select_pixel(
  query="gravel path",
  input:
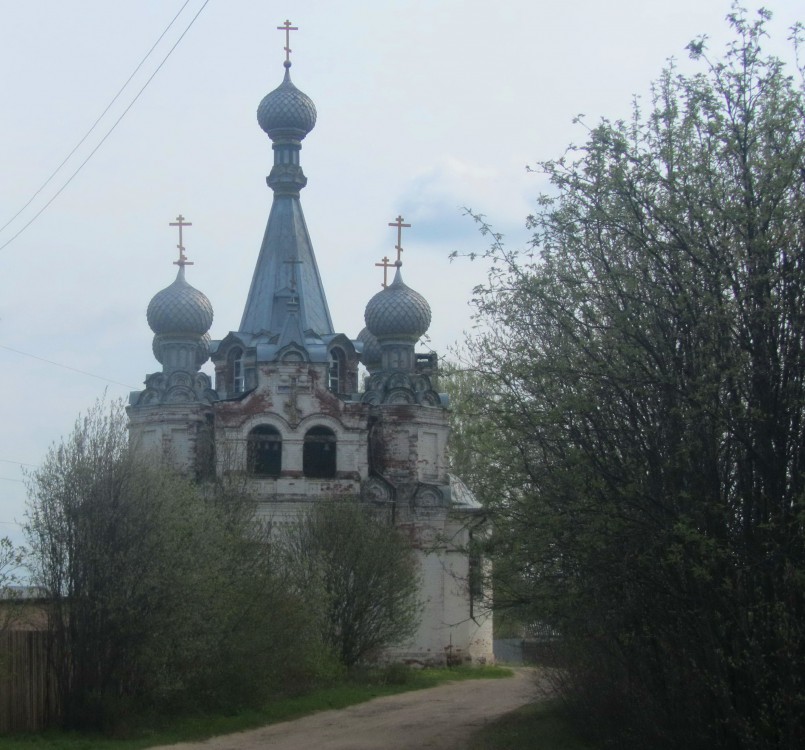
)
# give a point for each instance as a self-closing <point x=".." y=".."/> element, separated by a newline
<point x="443" y="717"/>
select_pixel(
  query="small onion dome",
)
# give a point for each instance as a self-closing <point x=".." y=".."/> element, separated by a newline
<point x="286" y="112"/>
<point x="372" y="354"/>
<point x="397" y="310"/>
<point x="180" y="309"/>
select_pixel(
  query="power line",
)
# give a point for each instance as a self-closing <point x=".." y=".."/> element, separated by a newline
<point x="19" y="463"/>
<point x="9" y="479"/>
<point x="67" y="367"/>
<point x="108" y="133"/>
<point x="100" y="117"/>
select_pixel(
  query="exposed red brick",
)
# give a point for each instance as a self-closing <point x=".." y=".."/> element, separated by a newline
<point x="329" y="403"/>
<point x="235" y="413"/>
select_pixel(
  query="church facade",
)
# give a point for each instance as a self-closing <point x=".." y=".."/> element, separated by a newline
<point x="288" y="408"/>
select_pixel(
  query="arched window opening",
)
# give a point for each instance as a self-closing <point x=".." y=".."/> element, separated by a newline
<point x="337" y="380"/>
<point x="318" y="457"/>
<point x="264" y="451"/>
<point x="237" y="374"/>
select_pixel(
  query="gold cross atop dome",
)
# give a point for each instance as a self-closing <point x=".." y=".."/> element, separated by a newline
<point x="287" y="28"/>
<point x="398" y="222"/>
<point x="181" y="223"/>
<point x="385" y="266"/>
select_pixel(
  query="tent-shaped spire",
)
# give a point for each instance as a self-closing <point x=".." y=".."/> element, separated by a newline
<point x="286" y="261"/>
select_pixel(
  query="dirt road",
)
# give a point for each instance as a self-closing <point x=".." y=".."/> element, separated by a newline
<point x="442" y="717"/>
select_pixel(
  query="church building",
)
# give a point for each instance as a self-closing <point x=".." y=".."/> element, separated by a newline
<point x="292" y="409"/>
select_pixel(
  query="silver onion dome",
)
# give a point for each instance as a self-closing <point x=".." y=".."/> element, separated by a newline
<point x="286" y="112"/>
<point x="180" y="309"/>
<point x="397" y="311"/>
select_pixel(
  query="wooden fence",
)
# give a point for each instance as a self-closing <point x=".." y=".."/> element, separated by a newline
<point x="28" y="696"/>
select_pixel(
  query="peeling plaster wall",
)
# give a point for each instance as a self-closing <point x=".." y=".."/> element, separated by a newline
<point x="171" y="431"/>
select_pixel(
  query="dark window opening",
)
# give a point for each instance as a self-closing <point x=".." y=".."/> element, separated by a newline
<point x="264" y="451"/>
<point x="318" y="458"/>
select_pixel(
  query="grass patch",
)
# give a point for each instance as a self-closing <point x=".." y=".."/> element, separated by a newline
<point x="358" y="689"/>
<point x="541" y="726"/>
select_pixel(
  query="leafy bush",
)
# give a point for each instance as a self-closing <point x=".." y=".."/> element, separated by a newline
<point x="638" y="396"/>
<point x="357" y="576"/>
<point x="161" y="591"/>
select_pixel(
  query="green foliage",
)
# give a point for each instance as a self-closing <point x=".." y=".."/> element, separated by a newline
<point x="357" y="576"/>
<point x="160" y="593"/>
<point x="639" y="395"/>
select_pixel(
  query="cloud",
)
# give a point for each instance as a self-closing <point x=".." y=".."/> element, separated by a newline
<point x="437" y="201"/>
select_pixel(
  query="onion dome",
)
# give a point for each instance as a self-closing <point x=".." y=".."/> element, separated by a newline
<point x="286" y="112"/>
<point x="372" y="354"/>
<point x="180" y="309"/>
<point x="397" y="311"/>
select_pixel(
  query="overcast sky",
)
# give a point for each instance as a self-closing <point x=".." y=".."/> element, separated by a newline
<point x="423" y="108"/>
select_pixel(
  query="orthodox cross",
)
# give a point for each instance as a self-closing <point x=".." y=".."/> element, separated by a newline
<point x="293" y="264"/>
<point x="385" y="266"/>
<point x="288" y="29"/>
<point x="180" y="222"/>
<point x="398" y="222"/>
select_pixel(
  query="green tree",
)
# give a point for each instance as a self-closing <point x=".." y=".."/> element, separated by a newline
<point x="358" y="577"/>
<point x="477" y="452"/>
<point x="641" y="395"/>
<point x="160" y="593"/>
